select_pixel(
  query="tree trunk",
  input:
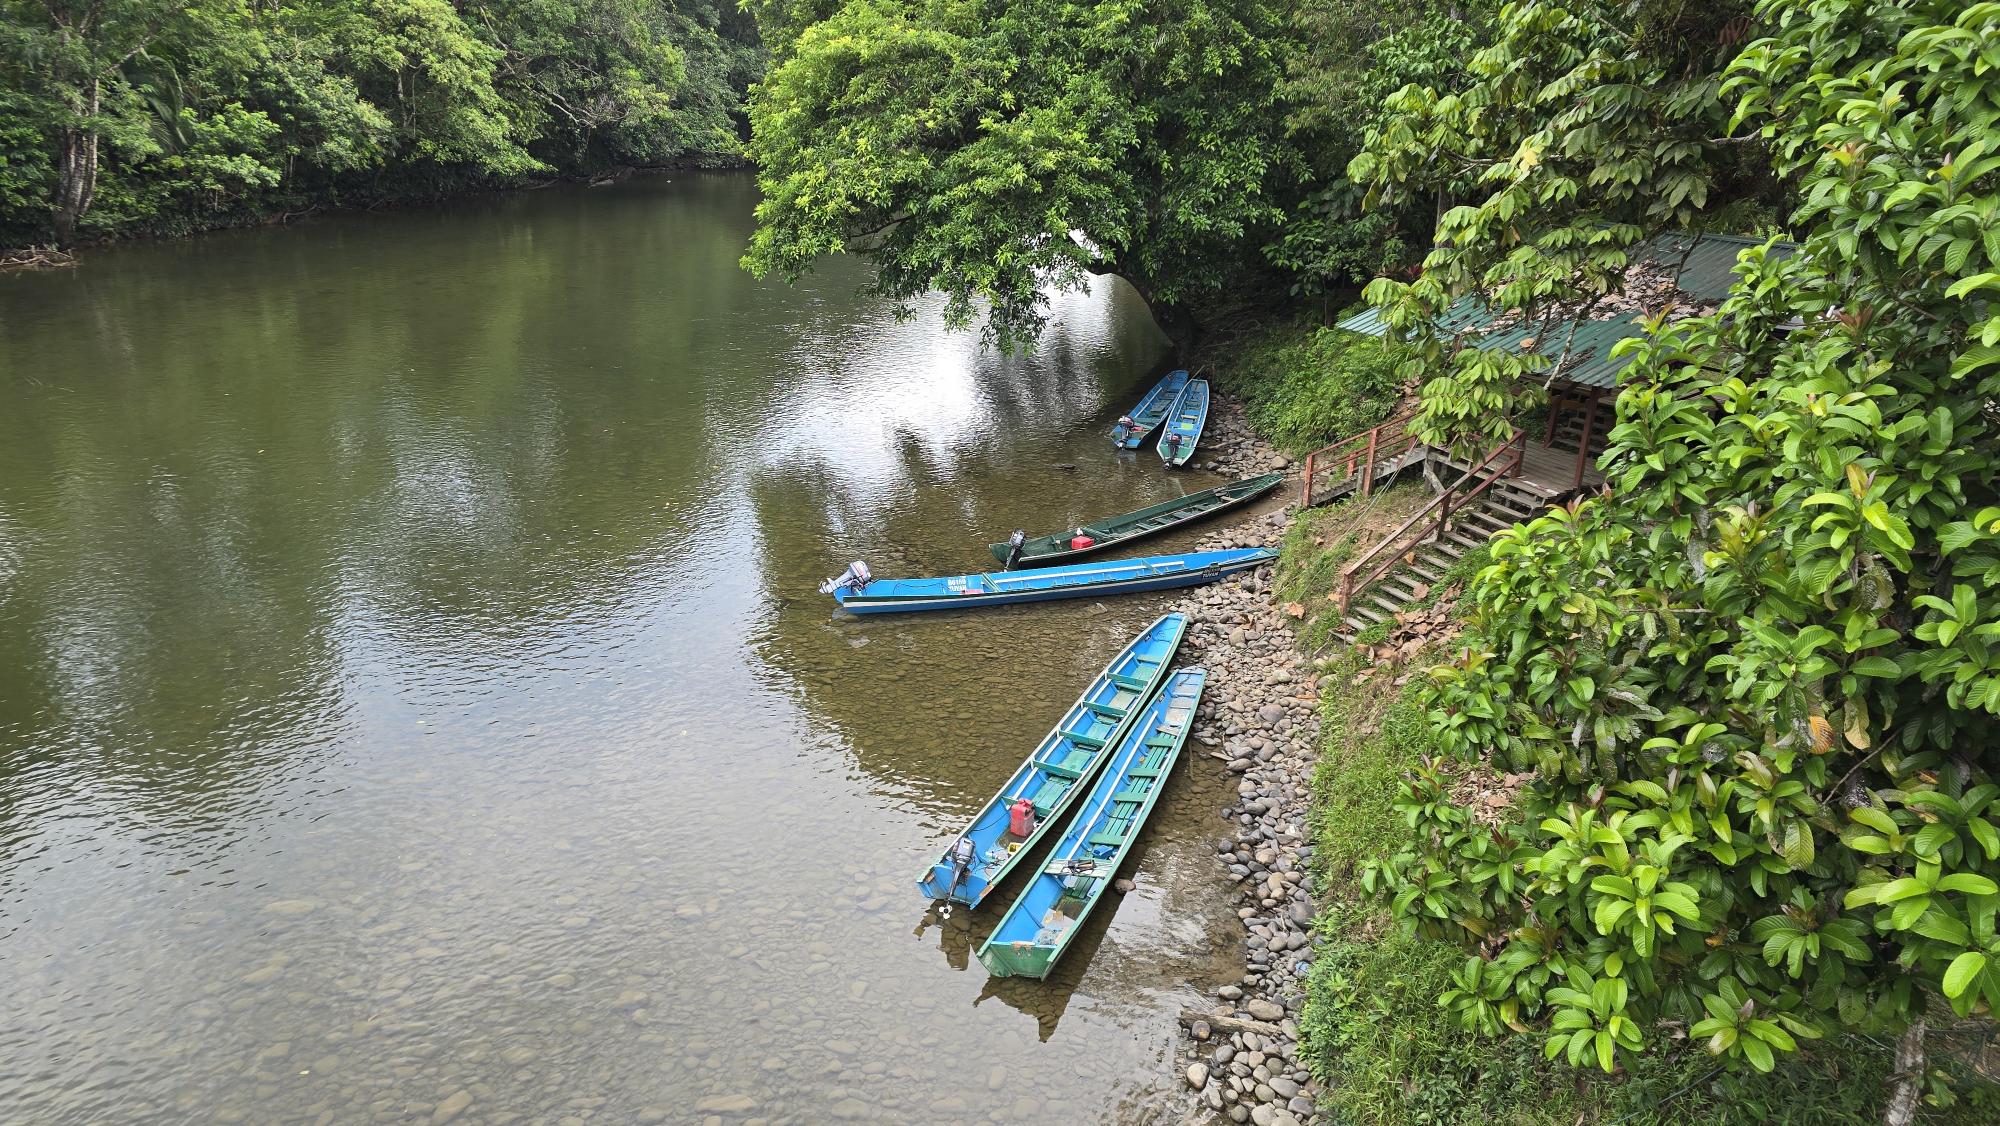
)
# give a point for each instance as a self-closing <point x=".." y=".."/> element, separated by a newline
<point x="1902" y="1108"/>
<point x="1181" y="330"/>
<point x="76" y="169"/>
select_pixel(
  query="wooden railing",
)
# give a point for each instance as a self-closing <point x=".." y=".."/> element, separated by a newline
<point x="1357" y="455"/>
<point x="1434" y="520"/>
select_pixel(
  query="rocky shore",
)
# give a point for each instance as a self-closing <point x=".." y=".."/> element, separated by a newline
<point x="1259" y="721"/>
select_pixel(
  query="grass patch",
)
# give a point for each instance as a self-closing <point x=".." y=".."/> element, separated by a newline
<point x="1323" y="540"/>
<point x="1306" y="387"/>
<point x="1461" y="570"/>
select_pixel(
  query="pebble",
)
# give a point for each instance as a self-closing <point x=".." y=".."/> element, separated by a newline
<point x="1260" y="710"/>
<point x="451" y="1107"/>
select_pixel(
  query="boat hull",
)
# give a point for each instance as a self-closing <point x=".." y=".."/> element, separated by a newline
<point x="1050" y="911"/>
<point x="1063" y="766"/>
<point x="1053" y="550"/>
<point x="963" y="592"/>
<point x="1188" y="418"/>
<point x="1152" y="410"/>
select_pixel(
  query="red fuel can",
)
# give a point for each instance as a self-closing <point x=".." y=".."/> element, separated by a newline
<point x="1021" y="818"/>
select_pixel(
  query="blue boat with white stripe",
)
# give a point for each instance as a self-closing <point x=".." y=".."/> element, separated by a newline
<point x="1042" y="790"/>
<point x="1052" y="908"/>
<point x="1183" y="430"/>
<point x="1131" y="431"/>
<point x="859" y="592"/>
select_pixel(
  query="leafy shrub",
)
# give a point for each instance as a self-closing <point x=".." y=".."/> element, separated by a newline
<point x="1308" y="389"/>
<point x="1756" y="689"/>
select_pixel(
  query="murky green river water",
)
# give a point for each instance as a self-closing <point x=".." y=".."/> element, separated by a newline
<point x="414" y="697"/>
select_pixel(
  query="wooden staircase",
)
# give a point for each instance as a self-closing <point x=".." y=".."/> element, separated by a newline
<point x="1416" y="570"/>
<point x="1475" y="501"/>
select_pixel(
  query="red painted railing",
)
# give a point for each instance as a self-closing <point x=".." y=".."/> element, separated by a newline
<point x="1434" y="520"/>
<point x="1356" y="456"/>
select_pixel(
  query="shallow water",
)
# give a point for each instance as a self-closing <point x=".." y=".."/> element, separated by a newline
<point x="414" y="693"/>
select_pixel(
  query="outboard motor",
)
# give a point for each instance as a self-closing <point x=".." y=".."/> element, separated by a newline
<point x="1123" y="429"/>
<point x="854" y="578"/>
<point x="1015" y="543"/>
<point x="961" y="857"/>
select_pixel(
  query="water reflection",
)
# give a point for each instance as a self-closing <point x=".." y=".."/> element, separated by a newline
<point x="412" y="683"/>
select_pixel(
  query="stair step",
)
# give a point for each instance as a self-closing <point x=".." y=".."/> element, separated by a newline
<point x="1401" y="585"/>
<point x="1366" y="614"/>
<point x="1391" y="607"/>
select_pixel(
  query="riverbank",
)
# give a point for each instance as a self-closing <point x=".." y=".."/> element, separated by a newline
<point x="1244" y="1059"/>
<point x="1336" y="1017"/>
<point x="280" y="213"/>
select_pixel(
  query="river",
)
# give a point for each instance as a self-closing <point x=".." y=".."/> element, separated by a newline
<point x="416" y="705"/>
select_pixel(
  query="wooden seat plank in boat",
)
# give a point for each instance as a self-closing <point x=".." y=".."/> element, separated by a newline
<point x="1046" y="916"/>
<point x="1058" y="772"/>
<point x="1114" y="531"/>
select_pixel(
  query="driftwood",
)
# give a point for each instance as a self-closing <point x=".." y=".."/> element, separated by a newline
<point x="35" y="258"/>
<point x="1231" y="1024"/>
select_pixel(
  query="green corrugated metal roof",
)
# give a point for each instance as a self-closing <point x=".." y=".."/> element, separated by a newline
<point x="1591" y="363"/>
<point x="1706" y="271"/>
<point x="1705" y="265"/>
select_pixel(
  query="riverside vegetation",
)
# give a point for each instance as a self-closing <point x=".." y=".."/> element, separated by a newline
<point x="121" y="116"/>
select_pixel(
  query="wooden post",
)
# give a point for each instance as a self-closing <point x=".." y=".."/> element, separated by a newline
<point x="1583" y="446"/>
<point x="1368" y="471"/>
<point x="1307" y="502"/>
<point x="1555" y="416"/>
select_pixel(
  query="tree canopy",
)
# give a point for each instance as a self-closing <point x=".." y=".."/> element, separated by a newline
<point x="1586" y="129"/>
<point x="122" y="114"/>
<point x="987" y="149"/>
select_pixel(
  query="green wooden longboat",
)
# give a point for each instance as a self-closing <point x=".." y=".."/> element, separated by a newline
<point x="1113" y="531"/>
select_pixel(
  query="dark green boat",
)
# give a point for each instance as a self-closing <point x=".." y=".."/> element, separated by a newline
<point x="1114" y="531"/>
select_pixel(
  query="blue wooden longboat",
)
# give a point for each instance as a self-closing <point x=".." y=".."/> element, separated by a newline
<point x="1182" y="432"/>
<point x="1061" y="768"/>
<point x="1052" y="908"/>
<point x="1079" y="580"/>
<point x="1151" y="411"/>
